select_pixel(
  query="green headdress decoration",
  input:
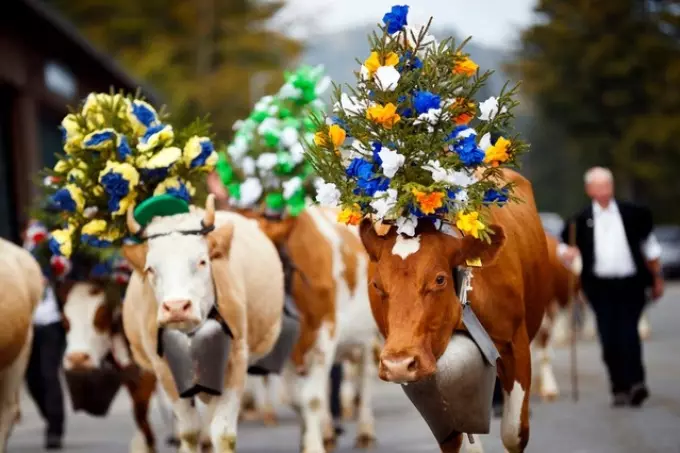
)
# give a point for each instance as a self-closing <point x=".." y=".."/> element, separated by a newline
<point x="423" y="149"/>
<point x="120" y="152"/>
<point x="264" y="163"/>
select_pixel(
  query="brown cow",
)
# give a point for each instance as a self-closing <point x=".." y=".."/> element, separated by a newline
<point x="416" y="307"/>
<point x="22" y="286"/>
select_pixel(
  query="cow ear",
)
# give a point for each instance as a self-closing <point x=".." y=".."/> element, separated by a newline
<point x="135" y="254"/>
<point x="219" y="241"/>
<point x="487" y="252"/>
<point x="373" y="243"/>
<point x="278" y="231"/>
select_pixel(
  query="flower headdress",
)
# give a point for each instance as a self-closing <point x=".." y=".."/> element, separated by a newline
<point x="120" y="152"/>
<point x="265" y="161"/>
<point x="422" y="148"/>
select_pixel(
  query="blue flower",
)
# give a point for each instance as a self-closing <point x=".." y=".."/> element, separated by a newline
<point x="94" y="241"/>
<point x="101" y="270"/>
<point x="117" y="187"/>
<point x="359" y="168"/>
<point x="377" y="146"/>
<point x="499" y="196"/>
<point x="144" y="113"/>
<point x="395" y="20"/>
<point x="100" y="139"/>
<point x="182" y="192"/>
<point x="454" y="134"/>
<point x="54" y="246"/>
<point x="123" y="147"/>
<point x="423" y="101"/>
<point x="371" y="185"/>
<point x="405" y="58"/>
<point x="63" y="200"/>
<point x="468" y="151"/>
<point x="402" y="109"/>
<point x="64" y="134"/>
<point x="206" y="149"/>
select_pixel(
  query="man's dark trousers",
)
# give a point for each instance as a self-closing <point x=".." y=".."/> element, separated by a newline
<point x="42" y="375"/>
<point x="618" y="306"/>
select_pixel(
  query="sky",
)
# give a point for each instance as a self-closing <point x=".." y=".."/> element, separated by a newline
<point x="493" y="23"/>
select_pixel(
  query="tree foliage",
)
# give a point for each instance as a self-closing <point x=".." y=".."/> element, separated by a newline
<point x="199" y="54"/>
<point x="607" y="72"/>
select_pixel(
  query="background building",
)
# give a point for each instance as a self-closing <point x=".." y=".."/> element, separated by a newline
<point x="46" y="66"/>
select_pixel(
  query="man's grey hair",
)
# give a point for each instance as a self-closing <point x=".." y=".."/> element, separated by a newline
<point x="598" y="173"/>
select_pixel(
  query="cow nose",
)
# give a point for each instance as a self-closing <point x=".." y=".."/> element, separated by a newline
<point x="176" y="311"/>
<point x="399" y="368"/>
<point x="79" y="359"/>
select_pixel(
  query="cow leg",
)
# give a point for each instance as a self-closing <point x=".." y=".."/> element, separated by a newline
<point x="140" y="391"/>
<point x="226" y="407"/>
<point x="366" y="422"/>
<point x="187" y="418"/>
<point x="348" y="391"/>
<point x="516" y="393"/>
<point x="545" y="376"/>
<point x="314" y="392"/>
<point x="10" y="385"/>
<point x="271" y="390"/>
<point x="249" y="401"/>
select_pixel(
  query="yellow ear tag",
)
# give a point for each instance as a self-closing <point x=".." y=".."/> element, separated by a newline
<point x="477" y="262"/>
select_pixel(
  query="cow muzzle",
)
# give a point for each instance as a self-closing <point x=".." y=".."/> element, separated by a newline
<point x="402" y="368"/>
<point x="178" y="314"/>
<point x="78" y="361"/>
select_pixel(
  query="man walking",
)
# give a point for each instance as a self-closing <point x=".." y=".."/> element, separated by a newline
<point x="620" y="261"/>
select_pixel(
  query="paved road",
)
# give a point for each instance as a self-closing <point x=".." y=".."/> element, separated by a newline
<point x="588" y="426"/>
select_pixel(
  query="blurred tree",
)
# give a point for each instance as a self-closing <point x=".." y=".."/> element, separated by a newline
<point x="607" y="72"/>
<point x="201" y="55"/>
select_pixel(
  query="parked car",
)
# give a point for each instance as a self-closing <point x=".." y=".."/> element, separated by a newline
<point x="552" y="223"/>
<point x="669" y="238"/>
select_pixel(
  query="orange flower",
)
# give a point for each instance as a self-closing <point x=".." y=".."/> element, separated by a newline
<point x="498" y="152"/>
<point x="336" y="133"/>
<point x="429" y="202"/>
<point x="386" y="115"/>
<point x="468" y="113"/>
<point x="350" y="216"/>
<point x="465" y="66"/>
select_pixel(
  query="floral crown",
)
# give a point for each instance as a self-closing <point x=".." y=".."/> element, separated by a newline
<point x="120" y="152"/>
<point x="422" y="148"/>
<point x="265" y="161"/>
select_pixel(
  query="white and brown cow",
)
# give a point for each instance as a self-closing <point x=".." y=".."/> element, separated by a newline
<point x="330" y="290"/>
<point x="178" y="279"/>
<point x="417" y="309"/>
<point x="94" y="333"/>
<point x="22" y="286"/>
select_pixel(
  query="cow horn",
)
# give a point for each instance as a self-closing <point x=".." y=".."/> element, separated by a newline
<point x="132" y="224"/>
<point x="209" y="218"/>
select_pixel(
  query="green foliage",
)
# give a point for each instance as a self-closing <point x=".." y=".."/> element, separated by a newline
<point x="421" y="148"/>
<point x="199" y="54"/>
<point x="607" y="74"/>
<point x="264" y="164"/>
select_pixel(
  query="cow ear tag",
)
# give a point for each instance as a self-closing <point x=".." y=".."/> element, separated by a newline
<point x="159" y="205"/>
<point x="476" y="262"/>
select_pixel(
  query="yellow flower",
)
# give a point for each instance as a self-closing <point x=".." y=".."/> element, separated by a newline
<point x="199" y="153"/>
<point x="94" y="227"/>
<point x="350" y="216"/>
<point x="76" y="196"/>
<point x="336" y="133"/>
<point x="465" y="66"/>
<point x="174" y="185"/>
<point x="469" y="223"/>
<point x="429" y="202"/>
<point x="61" y="243"/>
<point x="373" y="62"/>
<point x="498" y="152"/>
<point x="61" y="166"/>
<point x="98" y="191"/>
<point x="76" y="175"/>
<point x="386" y="115"/>
<point x="127" y="171"/>
<point x="164" y="158"/>
<point x="159" y="135"/>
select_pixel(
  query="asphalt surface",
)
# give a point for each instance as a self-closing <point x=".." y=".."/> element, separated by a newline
<point x="563" y="426"/>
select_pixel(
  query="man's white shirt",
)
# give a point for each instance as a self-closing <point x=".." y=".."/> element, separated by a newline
<point x="612" y="255"/>
<point x="47" y="311"/>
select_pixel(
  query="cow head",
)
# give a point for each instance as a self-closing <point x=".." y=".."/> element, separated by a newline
<point x="412" y="293"/>
<point x="176" y="262"/>
<point x="89" y="319"/>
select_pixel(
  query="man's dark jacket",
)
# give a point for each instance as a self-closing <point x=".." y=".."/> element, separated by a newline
<point x="638" y="224"/>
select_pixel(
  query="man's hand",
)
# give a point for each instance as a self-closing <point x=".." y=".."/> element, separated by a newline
<point x="568" y="254"/>
<point x="657" y="288"/>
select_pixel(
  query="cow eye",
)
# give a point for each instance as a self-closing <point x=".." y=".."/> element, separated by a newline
<point x="96" y="290"/>
<point x="378" y="288"/>
<point x="150" y="270"/>
<point x="440" y="280"/>
<point x="202" y="263"/>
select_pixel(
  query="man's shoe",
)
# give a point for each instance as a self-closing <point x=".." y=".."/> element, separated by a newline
<point x="620" y="400"/>
<point x="53" y="442"/>
<point x="638" y="394"/>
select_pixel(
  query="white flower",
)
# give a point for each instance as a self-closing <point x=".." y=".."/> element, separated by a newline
<point x="238" y="148"/>
<point x="237" y="125"/>
<point x="461" y="196"/>
<point x="248" y="166"/>
<point x="448" y="176"/>
<point x="271" y="182"/>
<point x="291" y="186"/>
<point x="327" y="194"/>
<point x="267" y="161"/>
<point x="350" y="104"/>
<point x="387" y="78"/>
<point x="263" y="103"/>
<point x="485" y="142"/>
<point x="391" y="161"/>
<point x="90" y="212"/>
<point x="431" y="118"/>
<point x="269" y="125"/>
<point x="297" y="152"/>
<point x="359" y="150"/>
<point x="364" y="73"/>
<point x="273" y="110"/>
<point x="489" y="109"/>
<point x="289" y="91"/>
<point x="466" y="133"/>
<point x="429" y="42"/>
<point x="251" y="191"/>
<point x="289" y="137"/>
<point x="322" y="86"/>
<point x="407" y="225"/>
<point x="383" y="202"/>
